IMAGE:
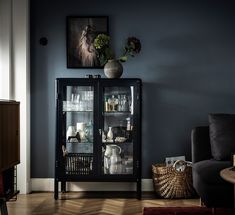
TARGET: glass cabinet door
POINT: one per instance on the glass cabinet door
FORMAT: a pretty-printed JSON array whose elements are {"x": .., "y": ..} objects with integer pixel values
[
  {"x": 117, "y": 139},
  {"x": 77, "y": 129}
]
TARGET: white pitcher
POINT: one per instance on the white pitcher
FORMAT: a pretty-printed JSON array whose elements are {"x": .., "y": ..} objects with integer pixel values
[
  {"x": 111, "y": 149},
  {"x": 115, "y": 162}
]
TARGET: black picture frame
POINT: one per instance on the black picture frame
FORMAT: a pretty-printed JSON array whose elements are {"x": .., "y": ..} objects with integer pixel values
[{"x": 80, "y": 34}]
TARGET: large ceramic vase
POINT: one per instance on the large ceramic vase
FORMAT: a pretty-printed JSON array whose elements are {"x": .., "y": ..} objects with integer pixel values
[{"x": 113, "y": 69}]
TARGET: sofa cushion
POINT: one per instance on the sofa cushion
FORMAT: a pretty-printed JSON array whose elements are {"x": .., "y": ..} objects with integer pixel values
[
  {"x": 209, "y": 171},
  {"x": 222, "y": 135}
]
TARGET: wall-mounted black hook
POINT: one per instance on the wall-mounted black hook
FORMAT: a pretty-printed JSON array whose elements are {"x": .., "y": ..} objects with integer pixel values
[{"x": 43, "y": 41}]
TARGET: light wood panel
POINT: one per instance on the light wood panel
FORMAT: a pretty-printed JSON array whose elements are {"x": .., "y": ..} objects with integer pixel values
[{"x": 44, "y": 204}]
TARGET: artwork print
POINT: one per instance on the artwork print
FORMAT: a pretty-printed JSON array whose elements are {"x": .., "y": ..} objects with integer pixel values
[{"x": 81, "y": 32}]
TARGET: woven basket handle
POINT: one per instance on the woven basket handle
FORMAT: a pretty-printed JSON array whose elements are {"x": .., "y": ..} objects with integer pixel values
[{"x": 184, "y": 163}]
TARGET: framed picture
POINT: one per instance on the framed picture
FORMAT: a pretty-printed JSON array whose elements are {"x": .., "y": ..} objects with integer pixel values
[{"x": 81, "y": 32}]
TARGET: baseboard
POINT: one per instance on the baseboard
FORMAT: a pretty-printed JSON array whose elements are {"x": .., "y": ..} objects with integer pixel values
[{"x": 47, "y": 184}]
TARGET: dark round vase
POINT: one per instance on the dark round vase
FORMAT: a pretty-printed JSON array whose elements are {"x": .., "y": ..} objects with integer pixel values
[{"x": 113, "y": 69}]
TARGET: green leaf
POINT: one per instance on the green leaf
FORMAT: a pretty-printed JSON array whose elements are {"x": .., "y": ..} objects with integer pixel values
[{"x": 123, "y": 59}]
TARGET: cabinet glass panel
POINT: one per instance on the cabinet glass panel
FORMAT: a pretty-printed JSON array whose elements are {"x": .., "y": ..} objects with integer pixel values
[
  {"x": 117, "y": 143},
  {"x": 78, "y": 106}
]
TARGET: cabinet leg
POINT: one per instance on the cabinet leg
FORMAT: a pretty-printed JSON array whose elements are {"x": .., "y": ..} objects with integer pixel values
[
  {"x": 138, "y": 189},
  {"x": 63, "y": 186},
  {"x": 3, "y": 207},
  {"x": 56, "y": 189}
]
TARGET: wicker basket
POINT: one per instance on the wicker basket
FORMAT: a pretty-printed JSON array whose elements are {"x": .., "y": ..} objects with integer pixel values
[
  {"x": 78, "y": 164},
  {"x": 171, "y": 183}
]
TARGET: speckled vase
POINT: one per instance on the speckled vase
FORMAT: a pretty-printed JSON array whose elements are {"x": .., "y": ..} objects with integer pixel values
[{"x": 113, "y": 69}]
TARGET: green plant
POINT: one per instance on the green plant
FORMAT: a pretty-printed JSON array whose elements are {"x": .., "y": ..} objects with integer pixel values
[
  {"x": 105, "y": 52},
  {"x": 132, "y": 47},
  {"x": 102, "y": 45}
]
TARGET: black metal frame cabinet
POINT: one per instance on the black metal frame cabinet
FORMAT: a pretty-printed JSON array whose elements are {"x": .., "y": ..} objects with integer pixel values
[{"x": 98, "y": 131}]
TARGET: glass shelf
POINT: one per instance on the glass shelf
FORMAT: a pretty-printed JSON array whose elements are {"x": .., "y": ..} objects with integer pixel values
[
  {"x": 107, "y": 113},
  {"x": 78, "y": 111},
  {"x": 75, "y": 147},
  {"x": 77, "y": 142},
  {"x": 126, "y": 142}
]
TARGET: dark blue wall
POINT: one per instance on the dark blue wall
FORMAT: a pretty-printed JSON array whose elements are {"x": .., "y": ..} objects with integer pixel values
[{"x": 187, "y": 65}]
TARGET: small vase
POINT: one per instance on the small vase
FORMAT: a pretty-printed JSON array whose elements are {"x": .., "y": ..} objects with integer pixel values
[
  {"x": 113, "y": 69},
  {"x": 110, "y": 134}
]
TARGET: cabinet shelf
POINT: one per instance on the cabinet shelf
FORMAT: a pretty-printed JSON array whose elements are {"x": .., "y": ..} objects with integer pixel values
[
  {"x": 111, "y": 113},
  {"x": 77, "y": 111},
  {"x": 126, "y": 142},
  {"x": 78, "y": 142}
]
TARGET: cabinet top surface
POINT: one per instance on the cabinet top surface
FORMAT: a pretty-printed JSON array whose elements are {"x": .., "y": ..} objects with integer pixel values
[
  {"x": 103, "y": 79},
  {"x": 13, "y": 102}
]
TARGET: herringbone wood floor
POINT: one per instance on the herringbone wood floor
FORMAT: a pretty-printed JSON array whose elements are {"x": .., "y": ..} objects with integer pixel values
[{"x": 44, "y": 204}]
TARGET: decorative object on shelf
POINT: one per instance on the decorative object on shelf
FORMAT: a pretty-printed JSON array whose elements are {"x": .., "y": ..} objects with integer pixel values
[
  {"x": 112, "y": 159},
  {"x": 89, "y": 132},
  {"x": 64, "y": 150},
  {"x": 115, "y": 161},
  {"x": 81, "y": 32},
  {"x": 113, "y": 67},
  {"x": 81, "y": 130},
  {"x": 92, "y": 76},
  {"x": 110, "y": 135},
  {"x": 112, "y": 102},
  {"x": 120, "y": 139},
  {"x": 72, "y": 135},
  {"x": 79, "y": 163},
  {"x": 73, "y": 138}
]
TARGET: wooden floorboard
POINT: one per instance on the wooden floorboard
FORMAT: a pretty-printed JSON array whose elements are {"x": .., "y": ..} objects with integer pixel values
[{"x": 72, "y": 203}]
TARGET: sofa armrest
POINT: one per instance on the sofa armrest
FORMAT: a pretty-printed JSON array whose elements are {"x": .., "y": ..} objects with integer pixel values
[{"x": 200, "y": 142}]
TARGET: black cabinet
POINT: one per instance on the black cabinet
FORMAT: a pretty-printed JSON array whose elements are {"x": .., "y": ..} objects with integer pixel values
[{"x": 98, "y": 131}]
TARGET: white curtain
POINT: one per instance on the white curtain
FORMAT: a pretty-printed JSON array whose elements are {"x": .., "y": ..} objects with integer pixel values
[
  {"x": 6, "y": 73},
  {"x": 15, "y": 75}
]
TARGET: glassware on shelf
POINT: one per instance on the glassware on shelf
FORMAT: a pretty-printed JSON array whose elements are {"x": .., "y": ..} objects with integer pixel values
[
  {"x": 72, "y": 104},
  {"x": 79, "y": 102},
  {"x": 67, "y": 106},
  {"x": 128, "y": 124},
  {"x": 88, "y": 97},
  {"x": 89, "y": 132},
  {"x": 119, "y": 107},
  {"x": 110, "y": 135},
  {"x": 113, "y": 102},
  {"x": 82, "y": 106},
  {"x": 106, "y": 104},
  {"x": 74, "y": 101},
  {"x": 86, "y": 101},
  {"x": 103, "y": 137},
  {"x": 125, "y": 106}
]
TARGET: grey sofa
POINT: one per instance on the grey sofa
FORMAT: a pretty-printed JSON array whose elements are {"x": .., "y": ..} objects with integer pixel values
[{"x": 212, "y": 189}]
